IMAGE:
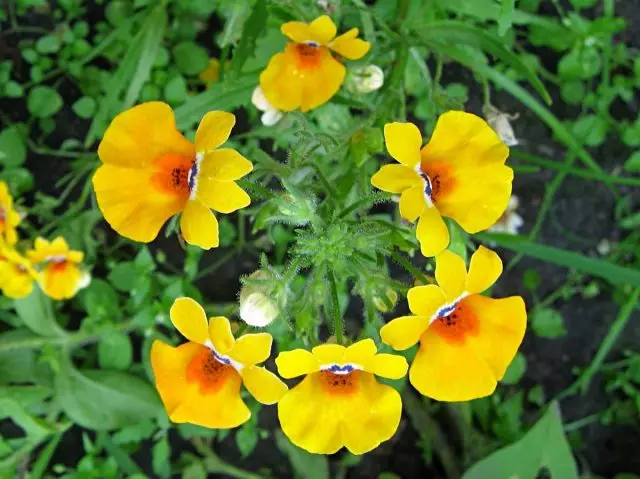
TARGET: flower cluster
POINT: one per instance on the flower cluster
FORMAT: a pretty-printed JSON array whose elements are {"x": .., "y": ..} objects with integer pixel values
[
  {"x": 151, "y": 172},
  {"x": 53, "y": 265}
]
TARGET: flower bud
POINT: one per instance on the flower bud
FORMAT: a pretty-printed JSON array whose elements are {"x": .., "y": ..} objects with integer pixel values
[
  {"x": 365, "y": 79},
  {"x": 271, "y": 115},
  {"x": 257, "y": 307},
  {"x": 501, "y": 124},
  {"x": 510, "y": 221}
]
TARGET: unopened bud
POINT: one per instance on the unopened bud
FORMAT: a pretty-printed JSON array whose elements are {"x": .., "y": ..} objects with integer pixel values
[
  {"x": 366, "y": 79},
  {"x": 501, "y": 123},
  {"x": 271, "y": 115},
  {"x": 257, "y": 307}
]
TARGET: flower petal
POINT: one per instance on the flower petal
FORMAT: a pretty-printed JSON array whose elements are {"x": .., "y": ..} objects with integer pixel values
[
  {"x": 214, "y": 130},
  {"x": 189, "y": 318},
  {"x": 220, "y": 334},
  {"x": 322, "y": 84},
  {"x": 297, "y": 31},
  {"x": 360, "y": 352},
  {"x": 60, "y": 281},
  {"x": 138, "y": 136},
  {"x": 224, "y": 164},
  {"x": 403, "y": 142},
  {"x": 199, "y": 225},
  {"x": 402, "y": 333},
  {"x": 412, "y": 203},
  {"x": 484, "y": 270},
  {"x": 323, "y": 29},
  {"x": 295, "y": 363},
  {"x": 395, "y": 178},
  {"x": 432, "y": 232},
  {"x": 390, "y": 366},
  {"x": 329, "y": 353},
  {"x": 280, "y": 82},
  {"x": 263, "y": 385},
  {"x": 350, "y": 47},
  {"x": 222, "y": 196},
  {"x": 426, "y": 300},
  {"x": 451, "y": 274},
  {"x": 252, "y": 349}
]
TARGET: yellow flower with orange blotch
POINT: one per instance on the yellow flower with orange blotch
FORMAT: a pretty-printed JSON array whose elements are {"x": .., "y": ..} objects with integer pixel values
[
  {"x": 460, "y": 174},
  {"x": 17, "y": 274},
  {"x": 60, "y": 275},
  {"x": 306, "y": 75},
  {"x": 199, "y": 381},
  {"x": 151, "y": 172},
  {"x": 9, "y": 217},
  {"x": 467, "y": 340},
  {"x": 340, "y": 402}
]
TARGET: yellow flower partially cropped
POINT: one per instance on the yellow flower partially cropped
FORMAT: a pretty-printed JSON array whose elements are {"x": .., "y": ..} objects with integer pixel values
[
  {"x": 340, "y": 402},
  {"x": 460, "y": 173},
  {"x": 307, "y": 74},
  {"x": 16, "y": 273},
  {"x": 199, "y": 381},
  {"x": 151, "y": 172},
  {"x": 211, "y": 74},
  {"x": 9, "y": 217},
  {"x": 60, "y": 275},
  {"x": 467, "y": 341}
]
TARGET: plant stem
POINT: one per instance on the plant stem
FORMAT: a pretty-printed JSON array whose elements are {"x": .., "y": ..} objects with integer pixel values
[
  {"x": 417, "y": 274},
  {"x": 335, "y": 306}
]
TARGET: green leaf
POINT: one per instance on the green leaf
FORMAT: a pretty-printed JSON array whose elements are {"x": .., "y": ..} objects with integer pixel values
[
  {"x": 190, "y": 58},
  {"x": 253, "y": 28},
  {"x": 34, "y": 428},
  {"x": 247, "y": 438},
  {"x": 13, "y": 151},
  {"x": 84, "y": 107},
  {"x": 104, "y": 400},
  {"x": 123, "y": 276},
  {"x": 544, "y": 446},
  {"x": 449, "y": 32},
  {"x": 43, "y": 101},
  {"x": 309, "y": 466},
  {"x": 16, "y": 364},
  {"x": 548, "y": 323},
  {"x": 48, "y": 44},
  {"x": 516, "y": 369},
  {"x": 591, "y": 129},
  {"x": 13, "y": 89},
  {"x": 583, "y": 3},
  {"x": 161, "y": 458},
  {"x": 175, "y": 91},
  {"x": 632, "y": 164},
  {"x": 37, "y": 314},
  {"x": 597, "y": 267},
  {"x": 100, "y": 299},
  {"x": 115, "y": 351},
  {"x": 506, "y": 16}
]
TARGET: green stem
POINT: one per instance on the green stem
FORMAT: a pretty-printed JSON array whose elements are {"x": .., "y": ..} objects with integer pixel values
[
  {"x": 580, "y": 423},
  {"x": 210, "y": 269},
  {"x": 335, "y": 306},
  {"x": 214, "y": 464},
  {"x": 417, "y": 274}
]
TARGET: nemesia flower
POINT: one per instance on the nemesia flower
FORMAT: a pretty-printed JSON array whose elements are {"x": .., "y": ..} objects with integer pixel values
[
  {"x": 467, "y": 341},
  {"x": 306, "y": 75},
  {"x": 199, "y": 381},
  {"x": 9, "y": 217},
  {"x": 16, "y": 273},
  {"x": 510, "y": 221},
  {"x": 460, "y": 173},
  {"x": 271, "y": 115},
  {"x": 366, "y": 79},
  {"x": 340, "y": 402},
  {"x": 60, "y": 276},
  {"x": 151, "y": 172},
  {"x": 211, "y": 74}
]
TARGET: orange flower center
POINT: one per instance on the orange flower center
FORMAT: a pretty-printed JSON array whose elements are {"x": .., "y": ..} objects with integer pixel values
[
  {"x": 58, "y": 265},
  {"x": 208, "y": 371},
  {"x": 3, "y": 216},
  {"x": 175, "y": 175},
  {"x": 308, "y": 55},
  {"x": 438, "y": 179},
  {"x": 340, "y": 384},
  {"x": 456, "y": 323}
]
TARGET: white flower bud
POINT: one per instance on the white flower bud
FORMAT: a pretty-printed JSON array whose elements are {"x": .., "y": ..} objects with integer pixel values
[
  {"x": 257, "y": 308},
  {"x": 510, "y": 222},
  {"x": 501, "y": 124},
  {"x": 271, "y": 115},
  {"x": 366, "y": 79}
]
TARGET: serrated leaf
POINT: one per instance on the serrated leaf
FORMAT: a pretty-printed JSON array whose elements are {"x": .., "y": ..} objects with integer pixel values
[{"x": 253, "y": 28}]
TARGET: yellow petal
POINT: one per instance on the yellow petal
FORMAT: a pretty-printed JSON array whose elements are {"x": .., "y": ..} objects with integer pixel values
[
  {"x": 189, "y": 318},
  {"x": 280, "y": 82},
  {"x": 412, "y": 203},
  {"x": 403, "y": 142},
  {"x": 263, "y": 385},
  {"x": 402, "y": 333},
  {"x": 295, "y": 363},
  {"x": 222, "y": 196},
  {"x": 199, "y": 225},
  {"x": 350, "y": 47},
  {"x": 451, "y": 274},
  {"x": 484, "y": 270},
  {"x": 60, "y": 282},
  {"x": 224, "y": 164},
  {"x": 220, "y": 334},
  {"x": 252, "y": 349},
  {"x": 329, "y": 353},
  {"x": 425, "y": 300},
  {"x": 360, "y": 352},
  {"x": 138, "y": 136},
  {"x": 323, "y": 29},
  {"x": 297, "y": 31},
  {"x": 388, "y": 366},
  {"x": 395, "y": 178},
  {"x": 432, "y": 232},
  {"x": 15, "y": 282},
  {"x": 502, "y": 324},
  {"x": 214, "y": 130},
  {"x": 324, "y": 82},
  {"x": 131, "y": 206}
]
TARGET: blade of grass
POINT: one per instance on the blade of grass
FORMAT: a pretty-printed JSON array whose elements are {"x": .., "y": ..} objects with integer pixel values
[
  {"x": 39, "y": 467},
  {"x": 613, "y": 273}
]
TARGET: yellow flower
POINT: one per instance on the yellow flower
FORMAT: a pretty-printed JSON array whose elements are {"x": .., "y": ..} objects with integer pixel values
[
  {"x": 306, "y": 75},
  {"x": 151, "y": 172},
  {"x": 16, "y": 273},
  {"x": 199, "y": 381},
  {"x": 460, "y": 174},
  {"x": 340, "y": 402},
  {"x": 211, "y": 74},
  {"x": 9, "y": 217},
  {"x": 466, "y": 340},
  {"x": 60, "y": 277}
]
